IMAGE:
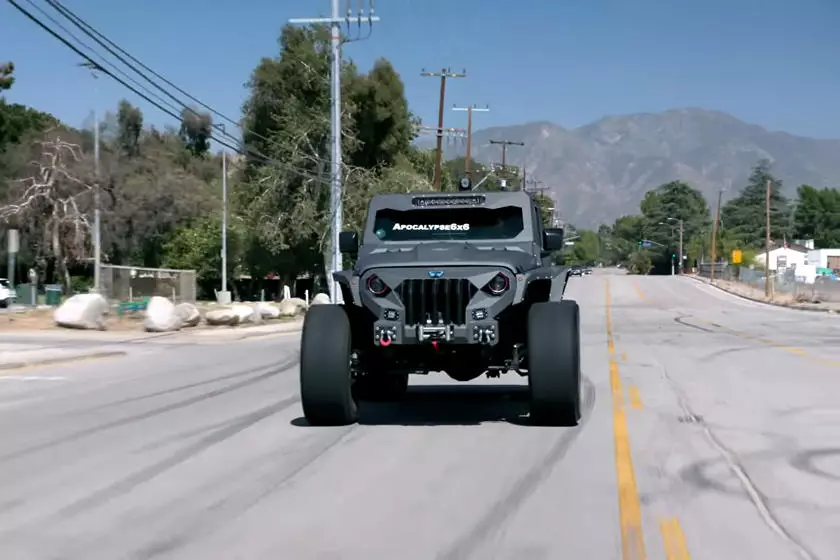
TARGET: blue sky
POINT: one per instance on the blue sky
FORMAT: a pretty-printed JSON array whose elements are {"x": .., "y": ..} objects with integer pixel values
[{"x": 769, "y": 62}]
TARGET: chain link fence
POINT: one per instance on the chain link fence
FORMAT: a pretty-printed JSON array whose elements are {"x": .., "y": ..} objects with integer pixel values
[
  {"x": 129, "y": 283},
  {"x": 823, "y": 288}
]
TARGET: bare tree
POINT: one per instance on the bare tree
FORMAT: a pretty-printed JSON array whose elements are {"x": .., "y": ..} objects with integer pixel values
[{"x": 54, "y": 201}]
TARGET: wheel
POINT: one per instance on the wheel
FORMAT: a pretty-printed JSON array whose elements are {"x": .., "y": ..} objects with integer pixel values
[
  {"x": 380, "y": 386},
  {"x": 554, "y": 363},
  {"x": 325, "y": 380},
  {"x": 5, "y": 303}
]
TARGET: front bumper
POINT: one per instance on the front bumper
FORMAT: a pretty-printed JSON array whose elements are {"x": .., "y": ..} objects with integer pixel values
[{"x": 454, "y": 308}]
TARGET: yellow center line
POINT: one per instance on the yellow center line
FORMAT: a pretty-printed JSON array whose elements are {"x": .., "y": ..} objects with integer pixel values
[
  {"x": 629, "y": 506},
  {"x": 674, "y": 540}
]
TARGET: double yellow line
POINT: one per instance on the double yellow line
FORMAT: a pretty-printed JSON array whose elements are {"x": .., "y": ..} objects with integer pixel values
[{"x": 629, "y": 505}]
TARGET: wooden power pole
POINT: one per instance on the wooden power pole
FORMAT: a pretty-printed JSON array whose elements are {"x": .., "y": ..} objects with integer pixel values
[
  {"x": 504, "y": 144},
  {"x": 469, "y": 111},
  {"x": 714, "y": 236},
  {"x": 443, "y": 74}
]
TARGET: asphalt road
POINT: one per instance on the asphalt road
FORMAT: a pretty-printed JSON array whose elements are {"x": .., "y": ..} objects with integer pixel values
[{"x": 716, "y": 417}]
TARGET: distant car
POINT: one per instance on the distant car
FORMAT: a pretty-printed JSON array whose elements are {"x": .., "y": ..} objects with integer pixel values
[
  {"x": 576, "y": 271},
  {"x": 587, "y": 271},
  {"x": 7, "y": 294}
]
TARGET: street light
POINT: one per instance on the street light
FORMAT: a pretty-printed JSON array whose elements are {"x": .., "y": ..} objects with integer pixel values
[{"x": 682, "y": 228}]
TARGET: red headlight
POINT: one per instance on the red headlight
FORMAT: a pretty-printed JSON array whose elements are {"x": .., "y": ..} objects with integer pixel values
[
  {"x": 376, "y": 286},
  {"x": 498, "y": 285}
]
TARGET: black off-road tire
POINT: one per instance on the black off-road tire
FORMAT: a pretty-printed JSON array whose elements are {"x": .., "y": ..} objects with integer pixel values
[
  {"x": 554, "y": 363},
  {"x": 380, "y": 387},
  {"x": 325, "y": 376}
]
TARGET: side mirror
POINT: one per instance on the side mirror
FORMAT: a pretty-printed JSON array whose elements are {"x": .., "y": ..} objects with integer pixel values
[
  {"x": 348, "y": 242},
  {"x": 553, "y": 239}
]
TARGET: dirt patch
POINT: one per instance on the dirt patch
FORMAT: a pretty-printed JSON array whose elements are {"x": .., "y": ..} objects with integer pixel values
[{"x": 42, "y": 320}]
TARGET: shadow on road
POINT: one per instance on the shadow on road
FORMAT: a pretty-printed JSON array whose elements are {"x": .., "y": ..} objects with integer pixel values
[{"x": 440, "y": 405}]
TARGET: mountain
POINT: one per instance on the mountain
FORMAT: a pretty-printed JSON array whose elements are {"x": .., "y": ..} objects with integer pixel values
[{"x": 602, "y": 170}]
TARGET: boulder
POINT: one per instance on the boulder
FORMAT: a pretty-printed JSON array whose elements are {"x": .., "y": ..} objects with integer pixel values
[
  {"x": 268, "y": 311},
  {"x": 189, "y": 314},
  {"x": 221, "y": 316},
  {"x": 291, "y": 307},
  {"x": 321, "y": 299},
  {"x": 247, "y": 314},
  {"x": 161, "y": 316},
  {"x": 82, "y": 311}
]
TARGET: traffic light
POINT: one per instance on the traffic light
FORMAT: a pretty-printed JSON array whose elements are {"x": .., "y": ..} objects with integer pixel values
[
  {"x": 673, "y": 255},
  {"x": 640, "y": 242}
]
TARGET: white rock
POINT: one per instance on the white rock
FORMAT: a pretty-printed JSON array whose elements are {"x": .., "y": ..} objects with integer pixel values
[
  {"x": 268, "y": 311},
  {"x": 161, "y": 316},
  {"x": 291, "y": 307},
  {"x": 321, "y": 299},
  {"x": 189, "y": 314},
  {"x": 82, "y": 311},
  {"x": 246, "y": 313},
  {"x": 221, "y": 316}
]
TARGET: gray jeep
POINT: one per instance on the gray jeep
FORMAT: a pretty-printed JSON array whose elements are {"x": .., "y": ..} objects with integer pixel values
[{"x": 456, "y": 282}]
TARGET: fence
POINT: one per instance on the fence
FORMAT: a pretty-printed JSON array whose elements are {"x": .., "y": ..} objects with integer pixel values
[
  {"x": 824, "y": 288},
  {"x": 128, "y": 283}
]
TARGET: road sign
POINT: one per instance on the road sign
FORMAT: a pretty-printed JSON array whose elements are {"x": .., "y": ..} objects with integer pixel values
[{"x": 736, "y": 256}]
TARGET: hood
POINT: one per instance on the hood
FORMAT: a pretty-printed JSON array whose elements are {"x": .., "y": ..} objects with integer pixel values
[{"x": 445, "y": 254}]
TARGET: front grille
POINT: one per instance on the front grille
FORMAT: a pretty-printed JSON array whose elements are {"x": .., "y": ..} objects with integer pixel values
[{"x": 436, "y": 299}]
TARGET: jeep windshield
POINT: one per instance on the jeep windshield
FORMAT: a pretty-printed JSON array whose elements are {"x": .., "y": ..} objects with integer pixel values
[{"x": 473, "y": 224}]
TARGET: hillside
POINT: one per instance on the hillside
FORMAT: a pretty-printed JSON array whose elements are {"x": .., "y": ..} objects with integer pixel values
[{"x": 601, "y": 170}]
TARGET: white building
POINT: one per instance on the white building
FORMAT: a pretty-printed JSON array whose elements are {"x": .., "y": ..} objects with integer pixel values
[
  {"x": 784, "y": 256},
  {"x": 824, "y": 258}
]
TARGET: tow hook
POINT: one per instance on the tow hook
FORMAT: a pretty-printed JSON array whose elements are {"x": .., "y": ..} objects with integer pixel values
[{"x": 385, "y": 339}]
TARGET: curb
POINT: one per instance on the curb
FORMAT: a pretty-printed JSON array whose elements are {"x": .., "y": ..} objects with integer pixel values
[
  {"x": 765, "y": 302},
  {"x": 63, "y": 360}
]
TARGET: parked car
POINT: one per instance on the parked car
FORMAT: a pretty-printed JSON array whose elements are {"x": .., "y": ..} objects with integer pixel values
[{"x": 7, "y": 294}]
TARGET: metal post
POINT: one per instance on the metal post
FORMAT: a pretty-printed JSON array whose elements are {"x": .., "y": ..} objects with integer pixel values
[
  {"x": 682, "y": 264},
  {"x": 97, "y": 229},
  {"x": 224, "y": 218},
  {"x": 767, "y": 241},
  {"x": 335, "y": 20}
]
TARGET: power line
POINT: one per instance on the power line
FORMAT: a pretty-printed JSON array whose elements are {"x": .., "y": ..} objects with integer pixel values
[
  {"x": 98, "y": 65},
  {"x": 103, "y": 41},
  {"x": 241, "y": 150},
  {"x": 443, "y": 74}
]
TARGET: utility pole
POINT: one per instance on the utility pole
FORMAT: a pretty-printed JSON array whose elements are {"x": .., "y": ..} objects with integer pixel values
[
  {"x": 443, "y": 74},
  {"x": 767, "y": 241},
  {"x": 335, "y": 20},
  {"x": 504, "y": 144},
  {"x": 714, "y": 236},
  {"x": 97, "y": 227},
  {"x": 469, "y": 111}
]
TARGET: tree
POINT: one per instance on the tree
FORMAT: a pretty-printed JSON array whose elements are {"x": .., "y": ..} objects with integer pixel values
[
  {"x": 130, "y": 123},
  {"x": 196, "y": 131},
  {"x": 745, "y": 215},
  {"x": 7, "y": 78},
  {"x": 663, "y": 208},
  {"x": 52, "y": 203},
  {"x": 383, "y": 123},
  {"x": 586, "y": 250},
  {"x": 817, "y": 216}
]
